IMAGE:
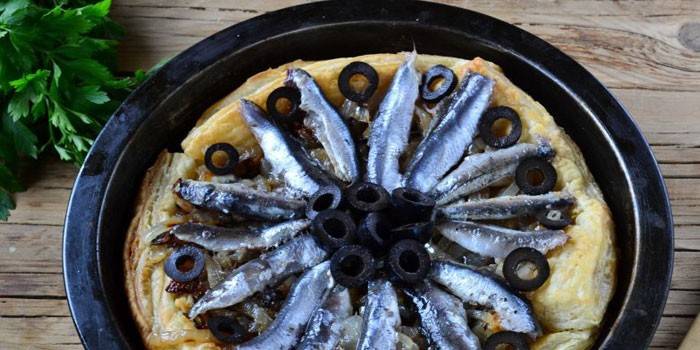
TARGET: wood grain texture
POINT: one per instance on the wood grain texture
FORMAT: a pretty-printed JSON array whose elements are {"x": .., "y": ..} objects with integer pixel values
[{"x": 645, "y": 51}]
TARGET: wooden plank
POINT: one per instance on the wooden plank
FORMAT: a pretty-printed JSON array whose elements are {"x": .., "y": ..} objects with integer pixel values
[
  {"x": 49, "y": 172},
  {"x": 40, "y": 206},
  {"x": 625, "y": 45},
  {"x": 683, "y": 303},
  {"x": 687, "y": 237},
  {"x": 677, "y": 154},
  {"x": 40, "y": 332},
  {"x": 671, "y": 332},
  {"x": 27, "y": 308},
  {"x": 685, "y": 200},
  {"x": 685, "y": 271},
  {"x": 30, "y": 248},
  {"x": 31, "y": 285},
  {"x": 666, "y": 117}
]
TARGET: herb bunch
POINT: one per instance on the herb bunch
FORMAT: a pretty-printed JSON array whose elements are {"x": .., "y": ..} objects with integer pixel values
[{"x": 57, "y": 86}]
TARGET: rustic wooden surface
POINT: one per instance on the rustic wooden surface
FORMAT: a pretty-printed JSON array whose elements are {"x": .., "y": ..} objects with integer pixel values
[{"x": 647, "y": 52}]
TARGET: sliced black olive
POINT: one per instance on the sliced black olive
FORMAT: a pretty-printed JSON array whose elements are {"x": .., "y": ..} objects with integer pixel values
[
  {"x": 231, "y": 158},
  {"x": 358, "y": 68},
  {"x": 374, "y": 232},
  {"x": 293, "y": 96},
  {"x": 555, "y": 218},
  {"x": 449, "y": 82},
  {"x": 184, "y": 264},
  {"x": 410, "y": 206},
  {"x": 352, "y": 266},
  {"x": 515, "y": 261},
  {"x": 420, "y": 231},
  {"x": 327, "y": 197},
  {"x": 489, "y": 119},
  {"x": 535, "y": 176},
  {"x": 408, "y": 261},
  {"x": 365, "y": 197},
  {"x": 333, "y": 228},
  {"x": 517, "y": 341},
  {"x": 227, "y": 329}
]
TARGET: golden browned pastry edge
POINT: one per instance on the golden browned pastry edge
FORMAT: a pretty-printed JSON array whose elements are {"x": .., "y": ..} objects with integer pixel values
[{"x": 570, "y": 306}]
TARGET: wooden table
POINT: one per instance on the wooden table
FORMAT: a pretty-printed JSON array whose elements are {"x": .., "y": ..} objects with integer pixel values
[{"x": 648, "y": 53}]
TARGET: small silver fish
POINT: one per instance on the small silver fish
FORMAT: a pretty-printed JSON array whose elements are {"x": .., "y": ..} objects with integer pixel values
[
  {"x": 219, "y": 239},
  {"x": 449, "y": 139},
  {"x": 286, "y": 157},
  {"x": 507, "y": 207},
  {"x": 306, "y": 295},
  {"x": 443, "y": 318},
  {"x": 381, "y": 317},
  {"x": 327, "y": 124},
  {"x": 497, "y": 241},
  {"x": 268, "y": 269},
  {"x": 325, "y": 326},
  {"x": 240, "y": 200},
  {"x": 389, "y": 132},
  {"x": 475, "y": 287},
  {"x": 482, "y": 169}
]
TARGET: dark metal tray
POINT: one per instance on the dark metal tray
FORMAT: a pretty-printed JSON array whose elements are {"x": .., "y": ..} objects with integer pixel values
[{"x": 165, "y": 107}]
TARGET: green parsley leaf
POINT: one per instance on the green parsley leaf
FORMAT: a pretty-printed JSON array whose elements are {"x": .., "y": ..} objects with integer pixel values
[
  {"x": 57, "y": 86},
  {"x": 6, "y": 204},
  {"x": 8, "y": 180}
]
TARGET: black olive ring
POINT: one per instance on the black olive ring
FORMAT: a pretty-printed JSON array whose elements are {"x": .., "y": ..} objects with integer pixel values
[
  {"x": 411, "y": 206},
  {"x": 541, "y": 166},
  {"x": 227, "y": 329},
  {"x": 365, "y": 197},
  {"x": 555, "y": 218},
  {"x": 448, "y": 85},
  {"x": 517, "y": 341},
  {"x": 490, "y": 117},
  {"x": 374, "y": 232},
  {"x": 327, "y": 197},
  {"x": 515, "y": 259},
  {"x": 408, "y": 261},
  {"x": 287, "y": 92},
  {"x": 333, "y": 228},
  {"x": 231, "y": 154},
  {"x": 366, "y": 71},
  {"x": 352, "y": 266},
  {"x": 178, "y": 257}
]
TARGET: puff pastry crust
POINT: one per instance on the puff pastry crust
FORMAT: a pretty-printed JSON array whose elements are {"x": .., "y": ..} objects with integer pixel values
[{"x": 570, "y": 305}]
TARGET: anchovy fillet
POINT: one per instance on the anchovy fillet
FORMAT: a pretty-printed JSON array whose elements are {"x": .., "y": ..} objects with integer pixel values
[
  {"x": 307, "y": 294},
  {"x": 448, "y": 141},
  {"x": 268, "y": 269},
  {"x": 327, "y": 124},
  {"x": 497, "y": 241},
  {"x": 285, "y": 156},
  {"x": 482, "y": 169},
  {"x": 390, "y": 130},
  {"x": 477, "y": 288},
  {"x": 240, "y": 199},
  {"x": 443, "y": 318},
  {"x": 218, "y": 239},
  {"x": 325, "y": 326},
  {"x": 507, "y": 207},
  {"x": 381, "y": 317}
]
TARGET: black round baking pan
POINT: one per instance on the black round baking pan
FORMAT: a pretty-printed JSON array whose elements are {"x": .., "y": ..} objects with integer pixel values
[{"x": 160, "y": 112}]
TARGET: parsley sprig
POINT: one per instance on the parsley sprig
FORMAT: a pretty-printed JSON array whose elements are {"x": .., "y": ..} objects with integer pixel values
[{"x": 57, "y": 88}]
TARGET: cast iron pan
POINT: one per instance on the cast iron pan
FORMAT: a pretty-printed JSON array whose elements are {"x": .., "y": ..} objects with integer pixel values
[{"x": 165, "y": 107}]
